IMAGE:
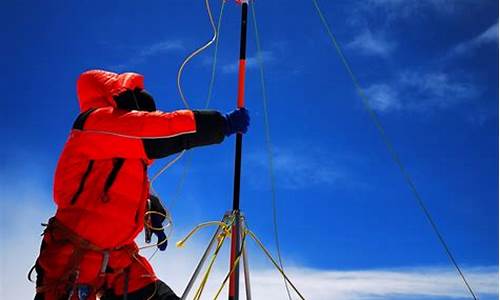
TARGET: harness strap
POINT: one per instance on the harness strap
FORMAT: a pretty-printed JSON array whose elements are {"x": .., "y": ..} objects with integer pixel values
[
  {"x": 67, "y": 282},
  {"x": 125, "y": 283},
  {"x": 71, "y": 236},
  {"x": 105, "y": 262}
]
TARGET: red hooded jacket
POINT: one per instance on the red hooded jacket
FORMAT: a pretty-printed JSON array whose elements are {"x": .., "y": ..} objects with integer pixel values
[{"x": 101, "y": 182}]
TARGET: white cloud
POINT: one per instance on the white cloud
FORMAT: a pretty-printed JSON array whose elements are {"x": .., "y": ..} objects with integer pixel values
[
  {"x": 296, "y": 170},
  {"x": 266, "y": 282},
  {"x": 389, "y": 12},
  {"x": 25, "y": 204},
  {"x": 376, "y": 284},
  {"x": 383, "y": 97},
  {"x": 251, "y": 62},
  {"x": 175, "y": 267},
  {"x": 150, "y": 50},
  {"x": 161, "y": 47},
  {"x": 489, "y": 36},
  {"x": 369, "y": 43},
  {"x": 436, "y": 89},
  {"x": 22, "y": 210},
  {"x": 420, "y": 91},
  {"x": 406, "y": 8}
]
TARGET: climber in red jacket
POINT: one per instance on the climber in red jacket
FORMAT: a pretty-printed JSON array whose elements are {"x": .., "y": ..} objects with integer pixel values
[{"x": 102, "y": 190}]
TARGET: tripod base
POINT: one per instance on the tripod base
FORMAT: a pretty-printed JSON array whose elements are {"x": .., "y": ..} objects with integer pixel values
[{"x": 224, "y": 230}]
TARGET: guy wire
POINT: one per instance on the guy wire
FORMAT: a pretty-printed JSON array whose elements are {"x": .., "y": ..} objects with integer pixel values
[
  {"x": 179, "y": 75},
  {"x": 391, "y": 148},
  {"x": 268, "y": 144},
  {"x": 187, "y": 164}
]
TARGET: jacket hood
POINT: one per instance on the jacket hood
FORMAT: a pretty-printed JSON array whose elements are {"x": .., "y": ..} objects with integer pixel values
[{"x": 96, "y": 88}]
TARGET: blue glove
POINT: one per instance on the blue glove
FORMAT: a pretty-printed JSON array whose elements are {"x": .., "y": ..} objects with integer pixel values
[
  {"x": 237, "y": 121},
  {"x": 156, "y": 222},
  {"x": 156, "y": 217}
]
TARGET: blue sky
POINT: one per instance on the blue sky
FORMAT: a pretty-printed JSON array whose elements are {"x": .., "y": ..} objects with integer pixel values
[{"x": 429, "y": 68}]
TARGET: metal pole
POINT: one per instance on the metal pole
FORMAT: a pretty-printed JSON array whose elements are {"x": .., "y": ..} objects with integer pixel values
[
  {"x": 201, "y": 263},
  {"x": 246, "y": 268},
  {"x": 235, "y": 237}
]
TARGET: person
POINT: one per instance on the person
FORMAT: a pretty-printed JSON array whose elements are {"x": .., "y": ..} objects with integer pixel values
[{"x": 101, "y": 189}]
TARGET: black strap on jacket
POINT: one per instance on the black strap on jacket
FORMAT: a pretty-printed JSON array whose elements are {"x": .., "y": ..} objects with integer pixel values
[
  {"x": 117, "y": 165},
  {"x": 82, "y": 182},
  {"x": 78, "y": 124},
  {"x": 80, "y": 120}
]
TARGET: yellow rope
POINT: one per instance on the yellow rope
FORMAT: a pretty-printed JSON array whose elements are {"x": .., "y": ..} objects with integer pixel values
[
  {"x": 153, "y": 245},
  {"x": 149, "y": 226},
  {"x": 233, "y": 267},
  {"x": 204, "y": 280},
  {"x": 226, "y": 227},
  {"x": 198, "y": 227},
  {"x": 223, "y": 225}
]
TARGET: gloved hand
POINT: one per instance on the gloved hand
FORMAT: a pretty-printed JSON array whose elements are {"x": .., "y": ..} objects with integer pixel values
[
  {"x": 237, "y": 121},
  {"x": 156, "y": 216},
  {"x": 156, "y": 222}
]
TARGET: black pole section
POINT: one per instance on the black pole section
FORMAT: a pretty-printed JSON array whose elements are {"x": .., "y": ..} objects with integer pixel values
[
  {"x": 241, "y": 103},
  {"x": 235, "y": 237}
]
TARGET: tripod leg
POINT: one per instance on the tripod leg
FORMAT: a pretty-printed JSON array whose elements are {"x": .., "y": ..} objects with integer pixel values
[
  {"x": 246, "y": 269},
  {"x": 276, "y": 265},
  {"x": 201, "y": 263}
]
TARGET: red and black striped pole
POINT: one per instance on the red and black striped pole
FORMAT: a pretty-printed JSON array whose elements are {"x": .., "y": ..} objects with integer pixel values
[{"x": 235, "y": 237}]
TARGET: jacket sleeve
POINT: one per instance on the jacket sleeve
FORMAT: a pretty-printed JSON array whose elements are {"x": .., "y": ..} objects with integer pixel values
[
  {"x": 210, "y": 128},
  {"x": 109, "y": 132}
]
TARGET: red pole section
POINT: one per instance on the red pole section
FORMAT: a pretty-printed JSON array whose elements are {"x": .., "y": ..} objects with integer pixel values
[{"x": 241, "y": 83}]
